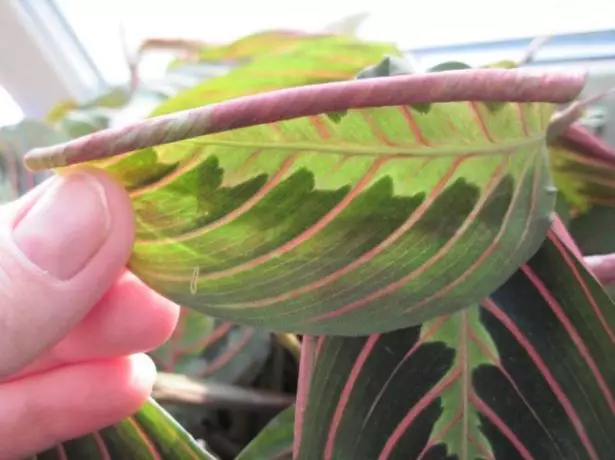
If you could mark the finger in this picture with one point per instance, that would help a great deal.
(62, 246)
(130, 318)
(45, 409)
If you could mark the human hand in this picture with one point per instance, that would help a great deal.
(73, 321)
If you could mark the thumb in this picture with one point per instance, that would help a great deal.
(62, 245)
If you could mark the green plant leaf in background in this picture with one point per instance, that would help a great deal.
(15, 141)
(267, 42)
(275, 441)
(593, 231)
(261, 43)
(210, 350)
(451, 65)
(408, 211)
(305, 61)
(528, 375)
(149, 434)
(205, 348)
(584, 169)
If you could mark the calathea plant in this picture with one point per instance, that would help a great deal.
(405, 226)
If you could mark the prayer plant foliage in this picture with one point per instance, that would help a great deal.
(402, 224)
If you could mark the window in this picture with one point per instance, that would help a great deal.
(10, 112)
(428, 29)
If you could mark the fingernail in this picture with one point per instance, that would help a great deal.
(66, 226)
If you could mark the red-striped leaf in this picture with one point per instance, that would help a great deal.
(150, 434)
(275, 441)
(528, 375)
(583, 168)
(351, 219)
(208, 349)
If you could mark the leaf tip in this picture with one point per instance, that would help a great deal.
(389, 66)
(421, 108)
(39, 159)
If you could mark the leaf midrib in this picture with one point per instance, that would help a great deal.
(357, 149)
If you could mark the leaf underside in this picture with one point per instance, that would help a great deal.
(527, 375)
(149, 434)
(405, 213)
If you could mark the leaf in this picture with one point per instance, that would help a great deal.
(208, 349)
(109, 110)
(528, 375)
(388, 67)
(603, 268)
(59, 110)
(259, 44)
(451, 65)
(150, 434)
(317, 60)
(391, 199)
(275, 441)
(79, 122)
(574, 112)
(593, 231)
(15, 141)
(583, 168)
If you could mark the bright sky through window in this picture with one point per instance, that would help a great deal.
(10, 112)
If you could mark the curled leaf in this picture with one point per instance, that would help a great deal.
(363, 225)
(485, 85)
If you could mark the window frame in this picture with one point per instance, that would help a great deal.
(42, 61)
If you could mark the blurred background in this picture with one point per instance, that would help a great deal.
(54, 50)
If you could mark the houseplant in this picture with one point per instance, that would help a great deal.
(404, 226)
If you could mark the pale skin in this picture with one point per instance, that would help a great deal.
(74, 323)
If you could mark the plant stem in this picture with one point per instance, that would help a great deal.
(290, 342)
(181, 389)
